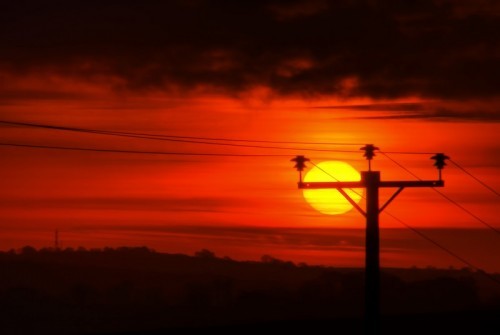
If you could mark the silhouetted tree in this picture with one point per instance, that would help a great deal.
(205, 253)
(28, 250)
(268, 259)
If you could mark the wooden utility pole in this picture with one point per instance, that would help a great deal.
(370, 180)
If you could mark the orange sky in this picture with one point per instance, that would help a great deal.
(405, 76)
(242, 207)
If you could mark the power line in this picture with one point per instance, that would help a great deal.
(236, 140)
(477, 218)
(155, 137)
(399, 164)
(474, 177)
(202, 140)
(468, 212)
(416, 231)
(447, 250)
(219, 144)
(410, 152)
(176, 138)
(34, 146)
(454, 163)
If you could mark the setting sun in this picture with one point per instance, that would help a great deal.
(330, 201)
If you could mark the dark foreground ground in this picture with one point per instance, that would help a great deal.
(136, 291)
(472, 322)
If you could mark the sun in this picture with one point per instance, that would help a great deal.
(330, 201)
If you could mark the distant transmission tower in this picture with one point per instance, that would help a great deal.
(370, 180)
(56, 239)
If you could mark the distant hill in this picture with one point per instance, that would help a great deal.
(129, 290)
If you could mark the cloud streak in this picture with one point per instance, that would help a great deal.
(439, 111)
(170, 204)
(392, 239)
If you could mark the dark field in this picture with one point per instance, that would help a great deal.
(137, 291)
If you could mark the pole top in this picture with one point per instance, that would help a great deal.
(369, 153)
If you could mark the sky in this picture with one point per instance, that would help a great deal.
(417, 77)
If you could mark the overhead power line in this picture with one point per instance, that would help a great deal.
(474, 177)
(399, 164)
(454, 163)
(445, 249)
(203, 140)
(168, 153)
(468, 212)
(419, 233)
(477, 218)
(168, 137)
(226, 139)
(410, 152)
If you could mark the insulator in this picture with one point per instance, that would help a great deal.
(300, 162)
(440, 160)
(369, 151)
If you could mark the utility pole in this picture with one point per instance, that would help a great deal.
(370, 180)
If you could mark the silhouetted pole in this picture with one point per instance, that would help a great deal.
(370, 180)
(372, 258)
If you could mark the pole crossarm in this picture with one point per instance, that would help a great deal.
(331, 184)
(412, 183)
(362, 184)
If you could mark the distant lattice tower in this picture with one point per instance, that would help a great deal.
(56, 240)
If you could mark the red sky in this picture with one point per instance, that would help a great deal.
(244, 207)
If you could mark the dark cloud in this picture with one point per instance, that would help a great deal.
(381, 107)
(381, 49)
(439, 115)
(16, 94)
